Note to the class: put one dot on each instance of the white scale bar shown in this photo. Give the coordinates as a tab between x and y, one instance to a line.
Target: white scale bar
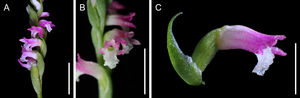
144	71
74	49
69	78
295	68
150	48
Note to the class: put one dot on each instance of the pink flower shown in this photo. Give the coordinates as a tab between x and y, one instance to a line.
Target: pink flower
30	43
47	24
45	14
114	6
34	30
262	45
87	67
120	20
116	19
110	52
29	57
124	38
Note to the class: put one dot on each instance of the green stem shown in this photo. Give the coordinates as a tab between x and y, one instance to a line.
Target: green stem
40	95
105	84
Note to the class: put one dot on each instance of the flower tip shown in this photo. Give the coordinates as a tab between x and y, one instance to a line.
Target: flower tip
276	50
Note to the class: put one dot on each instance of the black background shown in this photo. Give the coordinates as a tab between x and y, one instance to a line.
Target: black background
230	71
128	75
15	79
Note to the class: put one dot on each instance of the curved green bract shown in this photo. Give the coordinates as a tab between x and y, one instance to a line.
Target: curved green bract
206	49
190	68
183	64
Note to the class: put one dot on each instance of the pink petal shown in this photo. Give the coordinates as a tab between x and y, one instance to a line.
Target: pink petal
121	52
28	54
45	14
101	51
106	44
130	34
120	40
114	5
88	67
28	66
112	20
30	43
134	41
241	37
278	51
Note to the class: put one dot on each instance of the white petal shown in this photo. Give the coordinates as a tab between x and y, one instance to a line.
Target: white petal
264	61
37	4
110	58
78	73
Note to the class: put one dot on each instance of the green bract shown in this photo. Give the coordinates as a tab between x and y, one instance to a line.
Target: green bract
190	68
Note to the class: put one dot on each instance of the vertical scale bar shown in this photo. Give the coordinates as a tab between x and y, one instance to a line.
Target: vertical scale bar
69	78
144	71
150	47
74	48
295	68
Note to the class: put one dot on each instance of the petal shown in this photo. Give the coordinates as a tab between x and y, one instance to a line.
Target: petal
121	51
111	20
36	4
241	37
278	51
134	41
114	6
101	50
130	34
120	40
264	61
45	14
28	66
28	54
110	58
88	67
30	43
78	74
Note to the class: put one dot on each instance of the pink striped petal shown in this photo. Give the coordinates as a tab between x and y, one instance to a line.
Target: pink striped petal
88	67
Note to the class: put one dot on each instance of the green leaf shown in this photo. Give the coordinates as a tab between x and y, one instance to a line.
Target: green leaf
182	63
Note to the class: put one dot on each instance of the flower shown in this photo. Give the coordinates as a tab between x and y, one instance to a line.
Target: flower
116	19
114	6
120	20
34	30
124	38
47	24
31	58
87	67
110	52
262	45
30	43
